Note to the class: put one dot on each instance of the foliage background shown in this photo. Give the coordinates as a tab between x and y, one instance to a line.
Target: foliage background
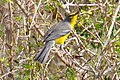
92	51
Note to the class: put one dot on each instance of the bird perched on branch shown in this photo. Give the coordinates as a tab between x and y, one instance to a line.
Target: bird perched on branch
56	34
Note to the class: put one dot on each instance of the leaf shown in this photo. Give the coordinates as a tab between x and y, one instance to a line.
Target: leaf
27	72
26	66
93	45
48	7
70	74
92	0
98	26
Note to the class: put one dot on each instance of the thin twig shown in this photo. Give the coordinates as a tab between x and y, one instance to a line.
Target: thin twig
111	27
32	23
62	58
71	4
27	14
22	8
13	71
108	35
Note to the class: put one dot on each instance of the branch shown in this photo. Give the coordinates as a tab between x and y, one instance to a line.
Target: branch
108	35
8	73
111	27
32	23
71	4
26	13
22	8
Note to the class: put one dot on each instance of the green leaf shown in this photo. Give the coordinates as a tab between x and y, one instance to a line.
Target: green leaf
70	74
6	0
48	7
26	66
1	30
20	48
93	45
27	72
92	0
98	26
22	32
18	18
86	35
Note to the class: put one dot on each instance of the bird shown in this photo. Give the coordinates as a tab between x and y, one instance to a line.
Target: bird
57	34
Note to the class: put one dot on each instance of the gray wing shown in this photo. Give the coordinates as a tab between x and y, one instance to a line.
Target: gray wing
58	30
48	32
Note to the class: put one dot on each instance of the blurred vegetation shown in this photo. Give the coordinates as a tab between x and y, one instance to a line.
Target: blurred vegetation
92	51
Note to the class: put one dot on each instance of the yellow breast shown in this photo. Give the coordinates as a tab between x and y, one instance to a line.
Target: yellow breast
62	39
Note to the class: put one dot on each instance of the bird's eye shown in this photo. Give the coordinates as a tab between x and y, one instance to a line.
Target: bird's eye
70	16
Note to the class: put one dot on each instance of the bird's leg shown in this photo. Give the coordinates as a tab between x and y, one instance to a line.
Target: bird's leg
62	47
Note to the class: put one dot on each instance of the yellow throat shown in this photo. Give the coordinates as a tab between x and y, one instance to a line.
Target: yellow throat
62	39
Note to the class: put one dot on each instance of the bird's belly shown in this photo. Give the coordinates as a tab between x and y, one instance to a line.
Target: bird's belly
62	39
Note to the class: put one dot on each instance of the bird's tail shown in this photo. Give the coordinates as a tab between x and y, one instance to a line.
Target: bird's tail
43	55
